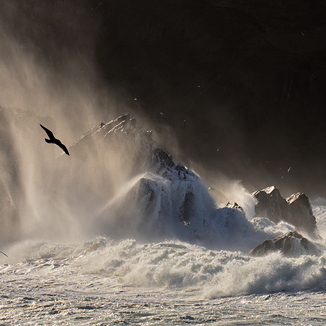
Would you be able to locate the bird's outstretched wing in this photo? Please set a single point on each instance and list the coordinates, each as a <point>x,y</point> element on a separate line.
<point>64,148</point>
<point>49,132</point>
<point>3,253</point>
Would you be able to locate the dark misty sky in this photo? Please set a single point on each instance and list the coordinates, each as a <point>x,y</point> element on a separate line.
<point>242,84</point>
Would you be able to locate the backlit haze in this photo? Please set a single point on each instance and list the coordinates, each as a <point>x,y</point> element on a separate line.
<point>71,65</point>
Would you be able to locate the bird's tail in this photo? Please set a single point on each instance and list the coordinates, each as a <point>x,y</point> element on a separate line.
<point>48,140</point>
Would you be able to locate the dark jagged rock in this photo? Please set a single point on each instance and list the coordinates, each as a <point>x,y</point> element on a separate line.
<point>166,193</point>
<point>271,204</point>
<point>103,131</point>
<point>161,160</point>
<point>300,213</point>
<point>291,244</point>
<point>234,206</point>
<point>295,210</point>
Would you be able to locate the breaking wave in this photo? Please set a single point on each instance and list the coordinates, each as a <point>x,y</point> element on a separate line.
<point>169,264</point>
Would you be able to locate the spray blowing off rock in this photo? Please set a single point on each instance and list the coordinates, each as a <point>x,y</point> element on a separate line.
<point>120,184</point>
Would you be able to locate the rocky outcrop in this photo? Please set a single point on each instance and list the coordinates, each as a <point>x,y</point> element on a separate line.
<point>165,190</point>
<point>300,213</point>
<point>295,210</point>
<point>162,199</point>
<point>271,204</point>
<point>135,189</point>
<point>291,244</point>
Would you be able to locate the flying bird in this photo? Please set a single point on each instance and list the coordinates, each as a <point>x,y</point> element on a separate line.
<point>53,140</point>
<point>3,253</point>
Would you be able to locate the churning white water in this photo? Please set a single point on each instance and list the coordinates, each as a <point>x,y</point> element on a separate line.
<point>116,282</point>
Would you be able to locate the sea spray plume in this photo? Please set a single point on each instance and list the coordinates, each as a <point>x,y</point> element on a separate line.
<point>25,187</point>
<point>106,157</point>
<point>163,196</point>
<point>53,140</point>
<point>10,184</point>
<point>144,193</point>
<point>36,201</point>
<point>138,188</point>
<point>49,205</point>
<point>225,190</point>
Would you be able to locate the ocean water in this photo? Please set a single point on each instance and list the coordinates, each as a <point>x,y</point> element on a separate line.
<point>118,233</point>
<point>101,281</point>
<point>154,249</point>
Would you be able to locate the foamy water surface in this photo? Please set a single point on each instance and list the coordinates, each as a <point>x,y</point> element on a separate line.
<point>106,282</point>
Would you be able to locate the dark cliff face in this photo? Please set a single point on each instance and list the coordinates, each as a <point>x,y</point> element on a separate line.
<point>242,84</point>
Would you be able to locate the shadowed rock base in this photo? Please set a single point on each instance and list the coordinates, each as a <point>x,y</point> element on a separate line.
<point>291,244</point>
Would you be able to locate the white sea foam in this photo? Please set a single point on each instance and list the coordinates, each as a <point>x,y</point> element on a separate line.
<point>170,264</point>
<point>167,282</point>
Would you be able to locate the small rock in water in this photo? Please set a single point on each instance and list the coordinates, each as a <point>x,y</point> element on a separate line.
<point>291,244</point>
